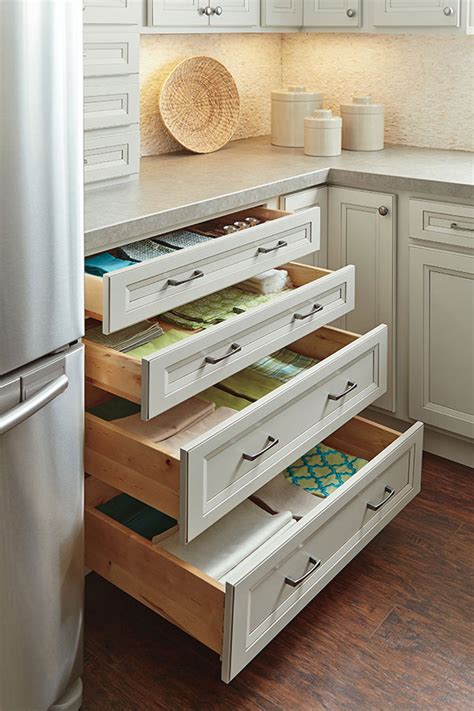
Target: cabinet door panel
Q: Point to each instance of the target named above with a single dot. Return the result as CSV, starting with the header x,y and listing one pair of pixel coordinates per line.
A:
x,y
235,13
358,234
442,339
177,13
332,13
282,13
415,13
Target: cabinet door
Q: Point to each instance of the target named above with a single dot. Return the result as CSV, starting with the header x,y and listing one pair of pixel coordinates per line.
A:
x,y
415,13
111,12
332,13
234,13
442,339
282,13
303,200
361,231
177,13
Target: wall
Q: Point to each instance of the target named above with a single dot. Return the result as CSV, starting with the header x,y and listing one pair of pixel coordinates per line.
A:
x,y
426,82
253,59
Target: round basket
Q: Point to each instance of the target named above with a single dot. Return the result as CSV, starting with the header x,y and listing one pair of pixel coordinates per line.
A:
x,y
200,105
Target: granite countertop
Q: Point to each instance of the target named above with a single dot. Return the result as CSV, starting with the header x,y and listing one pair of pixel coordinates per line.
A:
x,y
181,188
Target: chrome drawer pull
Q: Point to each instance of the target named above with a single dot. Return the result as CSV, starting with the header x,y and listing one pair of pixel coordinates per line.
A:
x,y
235,348
177,282
294,582
390,492
314,310
455,226
350,387
252,457
266,250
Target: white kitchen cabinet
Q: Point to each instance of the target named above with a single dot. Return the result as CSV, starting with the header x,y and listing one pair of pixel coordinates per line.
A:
x,y
203,13
111,12
304,200
361,231
441,365
332,13
416,13
282,13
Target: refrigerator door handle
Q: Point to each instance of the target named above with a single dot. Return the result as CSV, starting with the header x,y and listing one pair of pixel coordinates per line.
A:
x,y
21,412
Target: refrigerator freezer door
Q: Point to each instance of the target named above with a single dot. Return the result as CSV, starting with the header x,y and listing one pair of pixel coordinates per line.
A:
x,y
41,178
41,541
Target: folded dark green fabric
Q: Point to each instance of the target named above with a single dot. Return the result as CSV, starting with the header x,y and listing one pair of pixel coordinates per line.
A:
x,y
137,516
114,409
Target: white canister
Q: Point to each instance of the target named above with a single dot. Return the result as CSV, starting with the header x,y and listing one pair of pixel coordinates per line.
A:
x,y
289,109
322,134
362,125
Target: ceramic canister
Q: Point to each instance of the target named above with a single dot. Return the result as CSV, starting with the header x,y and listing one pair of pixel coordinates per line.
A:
x,y
289,109
362,125
322,134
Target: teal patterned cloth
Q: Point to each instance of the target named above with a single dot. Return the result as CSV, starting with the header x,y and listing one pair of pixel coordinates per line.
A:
x,y
322,470
283,365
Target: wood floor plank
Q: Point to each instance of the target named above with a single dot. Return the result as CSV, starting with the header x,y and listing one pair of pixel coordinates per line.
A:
x,y
392,631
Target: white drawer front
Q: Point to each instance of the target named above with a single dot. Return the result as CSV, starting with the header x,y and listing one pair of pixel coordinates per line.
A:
x,y
182,371
136,293
258,601
111,12
108,154
215,476
109,102
442,222
109,54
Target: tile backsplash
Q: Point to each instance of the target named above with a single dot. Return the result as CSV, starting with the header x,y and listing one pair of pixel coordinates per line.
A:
x,y
254,61
425,81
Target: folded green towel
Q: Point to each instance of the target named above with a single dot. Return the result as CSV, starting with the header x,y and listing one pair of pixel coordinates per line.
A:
x,y
221,398
249,384
283,365
114,409
322,470
169,338
137,516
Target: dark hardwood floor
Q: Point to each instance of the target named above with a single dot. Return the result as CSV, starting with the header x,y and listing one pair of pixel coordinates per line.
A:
x,y
392,631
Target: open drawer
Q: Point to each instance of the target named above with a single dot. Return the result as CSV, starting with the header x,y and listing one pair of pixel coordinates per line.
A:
x,y
174,374
218,470
264,592
127,296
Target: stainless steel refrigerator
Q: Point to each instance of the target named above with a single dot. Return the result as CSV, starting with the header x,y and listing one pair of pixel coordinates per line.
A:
x,y
41,359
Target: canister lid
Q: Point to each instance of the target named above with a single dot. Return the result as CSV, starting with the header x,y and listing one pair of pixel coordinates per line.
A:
x,y
297,93
362,105
322,118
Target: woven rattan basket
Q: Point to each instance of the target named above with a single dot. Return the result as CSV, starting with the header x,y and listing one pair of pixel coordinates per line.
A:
x,y
200,105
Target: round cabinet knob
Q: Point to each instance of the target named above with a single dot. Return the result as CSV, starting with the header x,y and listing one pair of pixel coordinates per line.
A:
x,y
383,210
208,10
218,10
350,12
448,11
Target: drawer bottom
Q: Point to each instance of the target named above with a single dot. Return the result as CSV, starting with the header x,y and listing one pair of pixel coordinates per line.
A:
x,y
237,620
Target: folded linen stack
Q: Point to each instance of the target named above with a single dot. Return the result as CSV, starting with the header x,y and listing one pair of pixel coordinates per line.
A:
x,y
215,308
100,264
272,281
143,250
128,338
137,516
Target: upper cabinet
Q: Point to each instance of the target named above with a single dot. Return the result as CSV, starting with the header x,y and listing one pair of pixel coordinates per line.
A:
x,y
332,13
111,12
416,13
282,13
203,13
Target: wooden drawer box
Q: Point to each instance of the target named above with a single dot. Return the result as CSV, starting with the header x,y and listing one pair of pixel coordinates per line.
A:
x,y
110,53
111,153
130,295
174,374
212,475
237,620
110,102
442,222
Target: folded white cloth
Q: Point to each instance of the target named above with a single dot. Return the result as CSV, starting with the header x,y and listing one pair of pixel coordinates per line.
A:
x,y
280,494
169,423
229,541
270,282
173,444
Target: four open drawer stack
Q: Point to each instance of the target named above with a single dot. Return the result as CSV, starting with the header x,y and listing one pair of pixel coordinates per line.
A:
x,y
208,477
